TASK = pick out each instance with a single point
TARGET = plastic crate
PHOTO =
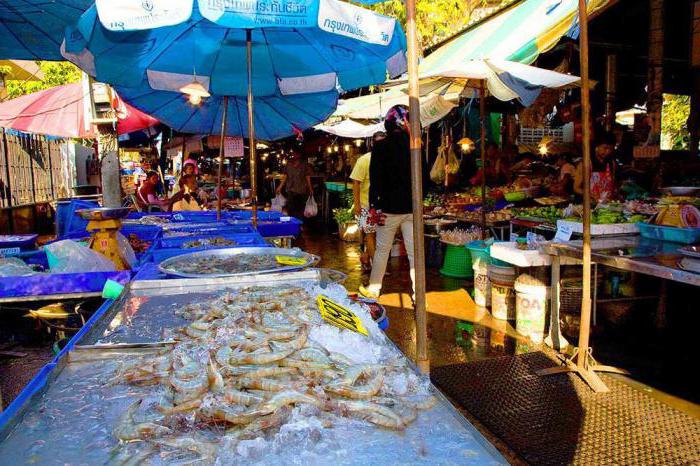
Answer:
(74, 222)
(178, 242)
(248, 215)
(289, 227)
(200, 229)
(673, 234)
(21, 242)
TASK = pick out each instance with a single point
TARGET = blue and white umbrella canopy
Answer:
(276, 117)
(298, 46)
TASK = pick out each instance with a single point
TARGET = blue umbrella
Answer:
(33, 29)
(276, 116)
(290, 48)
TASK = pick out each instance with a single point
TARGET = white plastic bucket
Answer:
(531, 310)
(482, 285)
(502, 292)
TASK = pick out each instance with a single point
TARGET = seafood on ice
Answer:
(244, 366)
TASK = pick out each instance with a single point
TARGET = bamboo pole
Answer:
(224, 118)
(251, 129)
(585, 327)
(417, 189)
(482, 124)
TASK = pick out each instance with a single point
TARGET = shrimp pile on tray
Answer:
(237, 263)
(242, 365)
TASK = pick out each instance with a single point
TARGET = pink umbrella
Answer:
(60, 111)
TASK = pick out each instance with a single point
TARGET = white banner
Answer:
(357, 23)
(136, 15)
(249, 14)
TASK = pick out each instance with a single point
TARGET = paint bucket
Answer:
(482, 286)
(502, 292)
(531, 307)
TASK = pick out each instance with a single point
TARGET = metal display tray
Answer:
(169, 266)
(76, 409)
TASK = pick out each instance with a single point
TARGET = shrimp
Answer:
(127, 429)
(262, 384)
(345, 386)
(216, 381)
(235, 396)
(265, 371)
(374, 413)
(284, 398)
(206, 450)
(225, 413)
(259, 357)
(181, 408)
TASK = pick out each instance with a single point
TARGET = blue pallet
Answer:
(159, 255)
(290, 227)
(179, 241)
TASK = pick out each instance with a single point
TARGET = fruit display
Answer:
(548, 213)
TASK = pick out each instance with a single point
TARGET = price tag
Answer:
(290, 260)
(7, 252)
(563, 234)
(339, 316)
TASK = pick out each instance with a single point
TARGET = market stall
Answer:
(309, 401)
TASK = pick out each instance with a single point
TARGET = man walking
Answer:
(390, 195)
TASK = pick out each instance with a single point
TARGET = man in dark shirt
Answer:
(390, 193)
(297, 180)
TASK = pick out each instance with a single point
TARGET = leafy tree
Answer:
(676, 109)
(438, 19)
(55, 74)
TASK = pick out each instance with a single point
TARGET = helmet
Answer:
(396, 118)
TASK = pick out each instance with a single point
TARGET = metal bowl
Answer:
(680, 190)
(103, 213)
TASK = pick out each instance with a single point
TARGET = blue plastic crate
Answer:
(74, 222)
(158, 255)
(34, 385)
(201, 229)
(289, 227)
(673, 234)
(178, 242)
(20, 242)
(248, 214)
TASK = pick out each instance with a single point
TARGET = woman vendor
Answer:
(603, 171)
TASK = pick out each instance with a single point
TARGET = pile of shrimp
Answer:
(241, 366)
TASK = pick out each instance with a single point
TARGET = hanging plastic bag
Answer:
(437, 172)
(453, 163)
(126, 250)
(311, 209)
(278, 203)
(67, 256)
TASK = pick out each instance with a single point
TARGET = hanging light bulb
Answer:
(346, 147)
(330, 149)
(335, 148)
(195, 91)
(466, 144)
(358, 142)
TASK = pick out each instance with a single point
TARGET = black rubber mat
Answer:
(558, 420)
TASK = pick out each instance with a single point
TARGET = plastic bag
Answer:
(126, 250)
(437, 172)
(278, 203)
(70, 257)
(14, 267)
(311, 209)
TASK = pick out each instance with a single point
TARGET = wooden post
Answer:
(610, 90)
(580, 363)
(251, 130)
(224, 117)
(482, 124)
(656, 69)
(417, 189)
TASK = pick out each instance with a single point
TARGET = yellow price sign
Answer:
(338, 315)
(290, 260)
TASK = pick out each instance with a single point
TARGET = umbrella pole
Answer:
(224, 117)
(482, 119)
(251, 128)
(581, 362)
(417, 189)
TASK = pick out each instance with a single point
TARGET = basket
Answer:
(571, 294)
(673, 234)
(457, 262)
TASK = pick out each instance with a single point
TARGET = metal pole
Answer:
(417, 189)
(585, 328)
(224, 118)
(482, 120)
(251, 129)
